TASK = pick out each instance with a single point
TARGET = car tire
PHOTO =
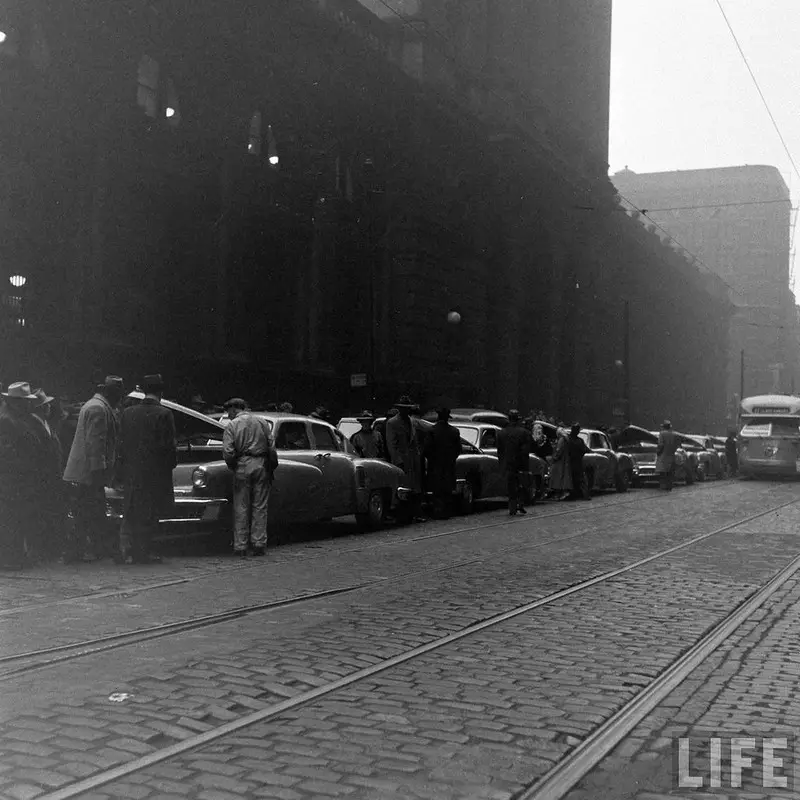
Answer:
(466, 503)
(622, 481)
(375, 515)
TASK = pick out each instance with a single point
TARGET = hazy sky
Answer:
(681, 95)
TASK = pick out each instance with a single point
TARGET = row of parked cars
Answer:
(320, 476)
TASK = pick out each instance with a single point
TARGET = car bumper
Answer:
(188, 510)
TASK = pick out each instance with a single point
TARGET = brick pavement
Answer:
(182, 698)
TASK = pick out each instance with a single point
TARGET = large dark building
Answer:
(282, 199)
(736, 220)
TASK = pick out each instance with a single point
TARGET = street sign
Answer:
(358, 379)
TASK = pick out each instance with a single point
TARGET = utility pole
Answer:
(626, 356)
(741, 377)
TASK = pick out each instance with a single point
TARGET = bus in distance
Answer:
(769, 439)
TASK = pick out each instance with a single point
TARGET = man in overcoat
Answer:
(147, 457)
(90, 466)
(24, 461)
(665, 455)
(442, 449)
(576, 450)
(368, 442)
(402, 442)
(514, 443)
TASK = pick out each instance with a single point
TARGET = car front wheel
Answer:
(375, 515)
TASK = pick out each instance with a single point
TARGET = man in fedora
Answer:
(665, 455)
(368, 442)
(405, 451)
(442, 449)
(514, 443)
(90, 467)
(147, 457)
(23, 461)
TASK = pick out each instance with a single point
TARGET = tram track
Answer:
(129, 591)
(576, 763)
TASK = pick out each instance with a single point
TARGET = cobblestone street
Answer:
(457, 659)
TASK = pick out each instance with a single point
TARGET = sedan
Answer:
(318, 475)
(642, 446)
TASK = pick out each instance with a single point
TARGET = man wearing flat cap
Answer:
(90, 466)
(23, 465)
(250, 454)
(368, 442)
(147, 458)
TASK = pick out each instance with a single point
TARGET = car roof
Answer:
(463, 423)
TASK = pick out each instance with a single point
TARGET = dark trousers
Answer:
(733, 466)
(91, 531)
(580, 485)
(442, 504)
(136, 534)
(18, 520)
(516, 491)
(665, 479)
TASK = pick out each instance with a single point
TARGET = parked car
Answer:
(604, 467)
(642, 445)
(478, 472)
(473, 415)
(718, 443)
(318, 476)
(709, 463)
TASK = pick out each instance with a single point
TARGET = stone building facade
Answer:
(737, 220)
(270, 199)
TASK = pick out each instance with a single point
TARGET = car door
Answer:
(338, 471)
(299, 493)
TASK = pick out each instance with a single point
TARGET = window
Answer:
(466, 447)
(470, 434)
(596, 442)
(292, 436)
(489, 441)
(147, 91)
(323, 436)
(604, 443)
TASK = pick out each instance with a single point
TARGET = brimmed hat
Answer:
(235, 402)
(666, 424)
(443, 412)
(21, 390)
(405, 402)
(44, 398)
(365, 416)
(513, 414)
(112, 382)
(152, 383)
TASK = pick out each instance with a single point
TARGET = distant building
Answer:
(736, 220)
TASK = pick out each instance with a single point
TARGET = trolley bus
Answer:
(769, 440)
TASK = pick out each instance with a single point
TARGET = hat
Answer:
(152, 383)
(365, 416)
(513, 414)
(235, 402)
(44, 398)
(443, 412)
(113, 382)
(404, 402)
(20, 391)
(666, 424)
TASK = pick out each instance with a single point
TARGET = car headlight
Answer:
(200, 478)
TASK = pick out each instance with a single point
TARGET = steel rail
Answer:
(102, 644)
(127, 591)
(192, 743)
(592, 750)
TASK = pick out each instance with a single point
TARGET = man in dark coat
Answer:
(24, 462)
(665, 455)
(368, 442)
(147, 458)
(514, 445)
(576, 450)
(442, 449)
(732, 454)
(403, 446)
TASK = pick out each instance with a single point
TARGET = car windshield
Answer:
(469, 433)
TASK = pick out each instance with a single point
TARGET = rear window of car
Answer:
(489, 440)
(468, 433)
(292, 436)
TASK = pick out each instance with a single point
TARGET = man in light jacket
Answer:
(90, 467)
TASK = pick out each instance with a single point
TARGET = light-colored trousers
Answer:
(251, 486)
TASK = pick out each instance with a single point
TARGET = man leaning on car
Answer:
(249, 452)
